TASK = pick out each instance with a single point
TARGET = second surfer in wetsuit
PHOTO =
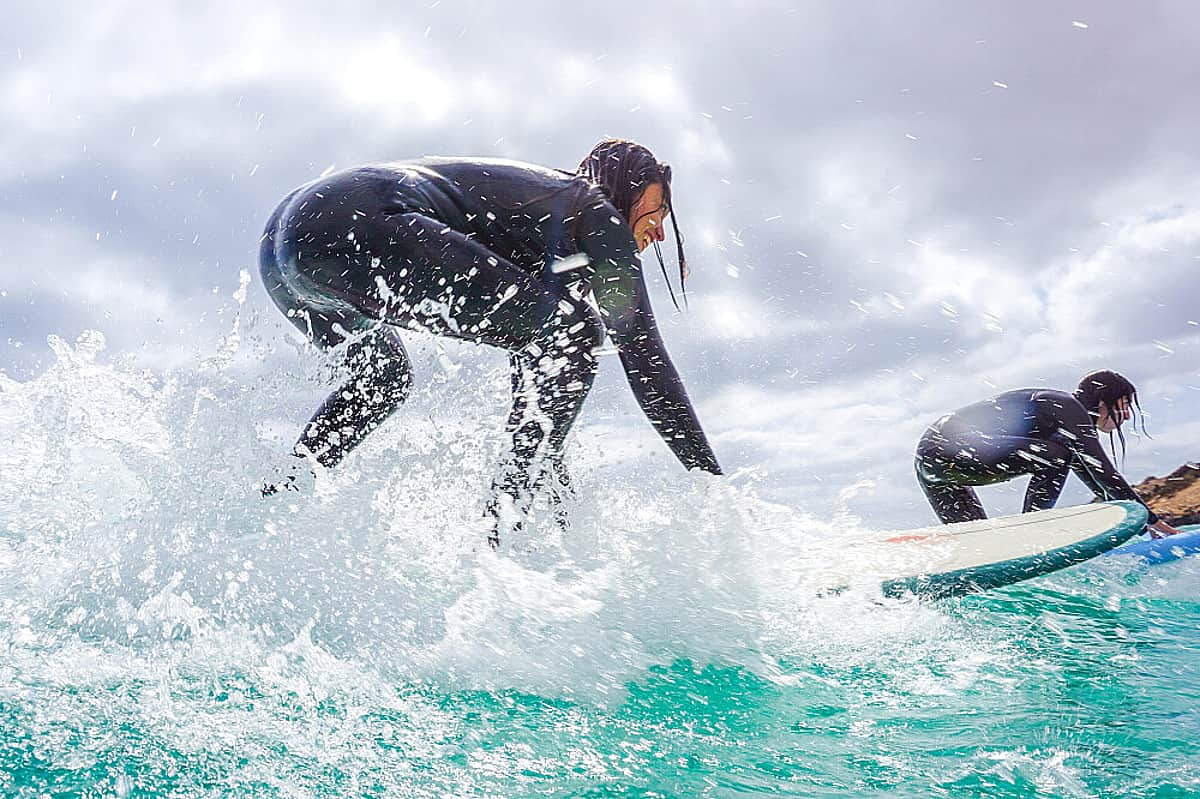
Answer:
(1039, 432)
(490, 251)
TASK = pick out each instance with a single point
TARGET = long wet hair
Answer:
(622, 170)
(1110, 388)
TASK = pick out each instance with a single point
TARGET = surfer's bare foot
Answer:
(294, 477)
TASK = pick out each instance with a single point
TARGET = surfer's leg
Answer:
(377, 368)
(379, 378)
(1045, 487)
(548, 391)
(939, 461)
(378, 371)
(444, 282)
(953, 503)
(1047, 463)
(411, 270)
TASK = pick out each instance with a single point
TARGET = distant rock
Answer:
(1176, 497)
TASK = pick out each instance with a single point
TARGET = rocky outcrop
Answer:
(1176, 497)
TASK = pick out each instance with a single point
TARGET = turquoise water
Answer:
(163, 635)
(1067, 694)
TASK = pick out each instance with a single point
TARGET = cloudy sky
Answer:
(891, 209)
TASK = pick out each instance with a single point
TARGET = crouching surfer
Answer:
(1043, 433)
(495, 252)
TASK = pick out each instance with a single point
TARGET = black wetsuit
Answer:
(490, 251)
(1039, 432)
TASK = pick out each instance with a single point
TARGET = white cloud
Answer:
(1135, 280)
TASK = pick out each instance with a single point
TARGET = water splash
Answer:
(165, 628)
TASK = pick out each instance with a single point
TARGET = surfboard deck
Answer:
(955, 559)
(1162, 550)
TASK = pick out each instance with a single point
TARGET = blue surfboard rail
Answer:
(1162, 550)
(996, 575)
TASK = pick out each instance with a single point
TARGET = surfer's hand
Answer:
(1161, 529)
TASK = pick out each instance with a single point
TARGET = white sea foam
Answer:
(130, 512)
(130, 517)
(145, 583)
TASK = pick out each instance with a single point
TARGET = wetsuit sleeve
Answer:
(1077, 432)
(614, 274)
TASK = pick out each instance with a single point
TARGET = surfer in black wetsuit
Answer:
(490, 251)
(1039, 432)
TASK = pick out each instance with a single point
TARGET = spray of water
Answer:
(145, 582)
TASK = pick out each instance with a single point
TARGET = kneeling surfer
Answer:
(1039, 432)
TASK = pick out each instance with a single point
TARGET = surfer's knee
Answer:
(590, 330)
(381, 369)
(576, 329)
(564, 347)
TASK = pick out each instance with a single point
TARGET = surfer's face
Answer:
(647, 216)
(1110, 419)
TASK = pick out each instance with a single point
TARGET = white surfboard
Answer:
(953, 559)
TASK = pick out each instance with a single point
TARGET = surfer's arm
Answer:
(658, 388)
(1091, 464)
(615, 276)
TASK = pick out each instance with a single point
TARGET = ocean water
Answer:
(164, 631)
